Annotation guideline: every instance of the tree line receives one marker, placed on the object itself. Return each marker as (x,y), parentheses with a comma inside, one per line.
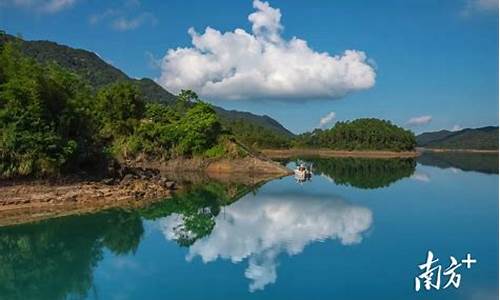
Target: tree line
(360,134)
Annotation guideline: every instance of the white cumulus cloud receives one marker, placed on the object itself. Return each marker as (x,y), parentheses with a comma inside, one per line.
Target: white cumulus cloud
(259,230)
(262,64)
(419,121)
(327,119)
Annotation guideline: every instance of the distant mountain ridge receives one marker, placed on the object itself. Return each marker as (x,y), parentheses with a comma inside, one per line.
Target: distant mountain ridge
(99,73)
(484,138)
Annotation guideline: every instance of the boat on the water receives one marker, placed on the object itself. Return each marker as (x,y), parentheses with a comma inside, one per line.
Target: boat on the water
(302,173)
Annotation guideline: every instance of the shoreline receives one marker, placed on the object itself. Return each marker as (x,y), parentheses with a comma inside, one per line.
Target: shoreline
(458,150)
(29,201)
(287,153)
(133,185)
(247,166)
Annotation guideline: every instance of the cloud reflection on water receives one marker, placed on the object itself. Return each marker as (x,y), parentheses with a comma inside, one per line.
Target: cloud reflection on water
(260,229)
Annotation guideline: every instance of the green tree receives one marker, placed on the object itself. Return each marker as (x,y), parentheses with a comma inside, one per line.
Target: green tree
(119,107)
(185,100)
(198,129)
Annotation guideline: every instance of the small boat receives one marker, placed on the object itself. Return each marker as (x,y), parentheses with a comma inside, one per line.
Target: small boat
(302,173)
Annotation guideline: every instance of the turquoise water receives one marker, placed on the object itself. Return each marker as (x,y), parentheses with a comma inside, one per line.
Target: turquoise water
(357,230)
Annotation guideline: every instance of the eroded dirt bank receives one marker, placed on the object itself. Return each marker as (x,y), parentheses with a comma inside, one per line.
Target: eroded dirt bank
(134,185)
(31,200)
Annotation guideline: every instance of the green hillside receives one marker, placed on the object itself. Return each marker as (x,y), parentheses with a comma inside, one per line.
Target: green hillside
(359,134)
(484,138)
(99,73)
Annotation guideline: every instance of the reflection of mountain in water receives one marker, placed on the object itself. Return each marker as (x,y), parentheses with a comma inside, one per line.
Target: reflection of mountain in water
(259,230)
(479,162)
(365,173)
(55,259)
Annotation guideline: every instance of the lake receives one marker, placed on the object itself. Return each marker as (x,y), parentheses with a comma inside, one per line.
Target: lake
(358,229)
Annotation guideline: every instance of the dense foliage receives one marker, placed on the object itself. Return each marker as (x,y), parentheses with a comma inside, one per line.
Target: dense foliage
(44,117)
(360,134)
(51,121)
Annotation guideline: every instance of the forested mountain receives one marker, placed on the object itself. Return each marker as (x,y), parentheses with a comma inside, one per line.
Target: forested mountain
(255,120)
(99,73)
(484,138)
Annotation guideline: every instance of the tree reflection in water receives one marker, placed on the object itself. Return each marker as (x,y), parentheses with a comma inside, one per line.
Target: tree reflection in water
(364,173)
(196,208)
(55,259)
(466,161)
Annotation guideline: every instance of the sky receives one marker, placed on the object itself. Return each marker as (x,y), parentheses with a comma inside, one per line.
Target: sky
(423,64)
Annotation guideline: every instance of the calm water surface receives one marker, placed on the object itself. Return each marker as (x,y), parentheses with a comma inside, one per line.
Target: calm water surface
(357,230)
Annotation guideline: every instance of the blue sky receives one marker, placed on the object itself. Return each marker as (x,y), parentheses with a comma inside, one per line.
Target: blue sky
(433,62)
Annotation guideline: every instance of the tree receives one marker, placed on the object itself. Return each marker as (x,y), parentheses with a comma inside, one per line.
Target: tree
(119,107)
(185,99)
(198,129)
